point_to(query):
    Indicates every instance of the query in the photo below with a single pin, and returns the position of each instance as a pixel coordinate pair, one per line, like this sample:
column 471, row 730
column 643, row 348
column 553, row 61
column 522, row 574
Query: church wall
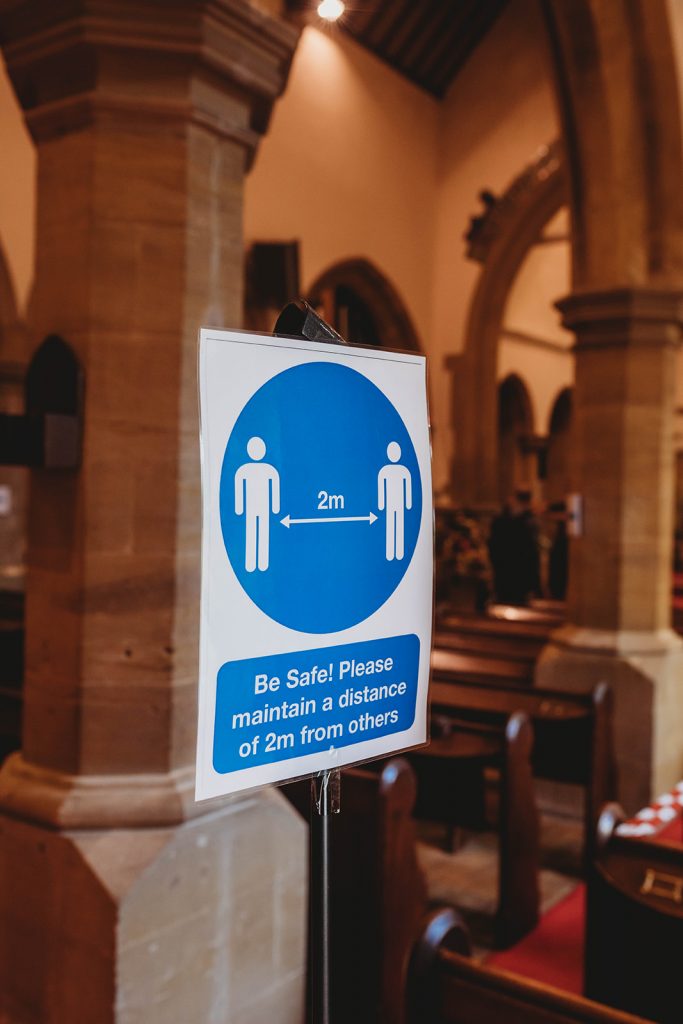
column 363, row 191
column 17, row 194
column 17, row 225
column 545, row 374
column 533, row 344
column 349, row 169
column 497, row 115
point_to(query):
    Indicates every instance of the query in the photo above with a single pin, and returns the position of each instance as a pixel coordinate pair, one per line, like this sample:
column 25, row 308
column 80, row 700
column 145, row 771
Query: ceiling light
column 330, row 10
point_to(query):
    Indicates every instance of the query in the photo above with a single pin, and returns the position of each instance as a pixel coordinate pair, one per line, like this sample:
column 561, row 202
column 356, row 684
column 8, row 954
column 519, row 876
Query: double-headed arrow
column 288, row 521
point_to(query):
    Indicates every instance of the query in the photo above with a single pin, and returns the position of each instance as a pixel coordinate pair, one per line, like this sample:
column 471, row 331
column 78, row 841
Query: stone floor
column 467, row 878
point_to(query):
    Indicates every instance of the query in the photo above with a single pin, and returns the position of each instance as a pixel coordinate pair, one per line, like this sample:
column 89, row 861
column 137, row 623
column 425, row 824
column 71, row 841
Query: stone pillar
column 121, row 900
column 620, row 568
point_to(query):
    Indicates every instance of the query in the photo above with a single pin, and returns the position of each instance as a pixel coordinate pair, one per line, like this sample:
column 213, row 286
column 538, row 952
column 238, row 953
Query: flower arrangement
column 461, row 554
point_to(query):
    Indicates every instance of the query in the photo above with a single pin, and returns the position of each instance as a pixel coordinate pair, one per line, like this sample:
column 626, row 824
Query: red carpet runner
column 553, row 951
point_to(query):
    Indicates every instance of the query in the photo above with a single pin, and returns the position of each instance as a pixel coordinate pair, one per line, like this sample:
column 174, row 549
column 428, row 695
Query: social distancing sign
column 317, row 558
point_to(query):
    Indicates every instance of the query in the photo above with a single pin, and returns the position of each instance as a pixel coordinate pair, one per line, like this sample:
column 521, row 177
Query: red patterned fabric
column 663, row 819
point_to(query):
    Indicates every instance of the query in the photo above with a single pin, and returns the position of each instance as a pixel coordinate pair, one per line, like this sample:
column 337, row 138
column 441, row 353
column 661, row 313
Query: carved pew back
column 378, row 895
column 572, row 733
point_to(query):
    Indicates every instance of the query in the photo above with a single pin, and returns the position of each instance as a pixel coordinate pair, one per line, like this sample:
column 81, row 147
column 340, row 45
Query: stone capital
column 623, row 317
column 77, row 62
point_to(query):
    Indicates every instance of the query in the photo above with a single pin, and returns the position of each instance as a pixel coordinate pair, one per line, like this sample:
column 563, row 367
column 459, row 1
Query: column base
column 204, row 921
column 645, row 671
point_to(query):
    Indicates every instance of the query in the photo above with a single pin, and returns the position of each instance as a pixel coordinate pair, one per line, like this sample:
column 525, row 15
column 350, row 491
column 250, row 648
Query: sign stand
column 325, row 791
column 298, row 319
column 316, row 536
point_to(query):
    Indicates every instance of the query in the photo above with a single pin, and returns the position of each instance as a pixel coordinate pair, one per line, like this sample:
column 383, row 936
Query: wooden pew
column 391, row 962
column 572, row 732
column 634, row 926
column 538, row 612
column 378, row 894
column 448, row 988
column 451, row 789
column 485, row 647
column 488, row 634
column 511, row 616
column 492, row 647
column 475, row 668
column 11, row 670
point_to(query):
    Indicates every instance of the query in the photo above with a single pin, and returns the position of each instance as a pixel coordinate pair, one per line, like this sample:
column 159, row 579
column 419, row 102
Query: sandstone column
column 121, row 900
column 617, row 76
column 620, row 575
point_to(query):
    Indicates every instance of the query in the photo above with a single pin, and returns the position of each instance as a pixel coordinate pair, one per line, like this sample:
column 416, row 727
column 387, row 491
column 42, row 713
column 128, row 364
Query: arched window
column 362, row 304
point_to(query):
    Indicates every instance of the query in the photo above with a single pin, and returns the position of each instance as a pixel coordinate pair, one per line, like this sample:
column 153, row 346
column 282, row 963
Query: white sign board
column 317, row 558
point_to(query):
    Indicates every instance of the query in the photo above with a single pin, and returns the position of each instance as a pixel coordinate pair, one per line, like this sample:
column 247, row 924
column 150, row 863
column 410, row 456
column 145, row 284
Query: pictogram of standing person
column 257, row 494
column 395, row 494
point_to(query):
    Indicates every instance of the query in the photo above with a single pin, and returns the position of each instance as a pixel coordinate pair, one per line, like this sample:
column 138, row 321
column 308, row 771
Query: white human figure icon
column 395, row 494
column 257, row 494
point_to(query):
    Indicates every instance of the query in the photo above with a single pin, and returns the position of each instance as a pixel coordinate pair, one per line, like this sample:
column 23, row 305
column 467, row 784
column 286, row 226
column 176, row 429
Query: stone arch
column 559, row 451
column 515, row 426
column 615, row 66
column 394, row 326
column 500, row 240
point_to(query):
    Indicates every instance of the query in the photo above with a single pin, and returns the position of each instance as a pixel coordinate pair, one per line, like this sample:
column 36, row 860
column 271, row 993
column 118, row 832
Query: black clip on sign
column 299, row 320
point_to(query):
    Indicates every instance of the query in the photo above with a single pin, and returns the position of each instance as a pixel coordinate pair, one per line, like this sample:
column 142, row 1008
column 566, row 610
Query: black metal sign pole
column 299, row 320
column 324, row 803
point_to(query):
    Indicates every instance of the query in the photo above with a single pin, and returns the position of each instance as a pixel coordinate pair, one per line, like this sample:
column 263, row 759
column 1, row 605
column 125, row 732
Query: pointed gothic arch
column 381, row 315
column 500, row 241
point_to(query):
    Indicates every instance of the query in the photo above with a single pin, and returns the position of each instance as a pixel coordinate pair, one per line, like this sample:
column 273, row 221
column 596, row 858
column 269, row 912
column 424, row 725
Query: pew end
column 451, row 790
column 447, row 987
column 443, row 929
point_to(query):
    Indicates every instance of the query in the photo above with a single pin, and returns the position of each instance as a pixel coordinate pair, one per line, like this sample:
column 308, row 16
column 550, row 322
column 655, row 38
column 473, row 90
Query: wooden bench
column 512, row 618
column 634, row 933
column 493, row 633
column 451, row 789
column 485, row 647
column 572, row 732
column 393, row 963
column 378, row 895
column 537, row 613
column 490, row 648
column 478, row 668
column 11, row 670
column 448, row 988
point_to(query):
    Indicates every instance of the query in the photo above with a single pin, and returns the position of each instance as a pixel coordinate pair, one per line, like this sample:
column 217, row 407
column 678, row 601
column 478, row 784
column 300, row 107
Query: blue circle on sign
column 320, row 498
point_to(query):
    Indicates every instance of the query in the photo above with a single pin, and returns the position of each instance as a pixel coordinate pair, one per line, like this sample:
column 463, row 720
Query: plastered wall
column 533, row 344
column 349, row 169
column 17, row 193
column 359, row 162
column 498, row 113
